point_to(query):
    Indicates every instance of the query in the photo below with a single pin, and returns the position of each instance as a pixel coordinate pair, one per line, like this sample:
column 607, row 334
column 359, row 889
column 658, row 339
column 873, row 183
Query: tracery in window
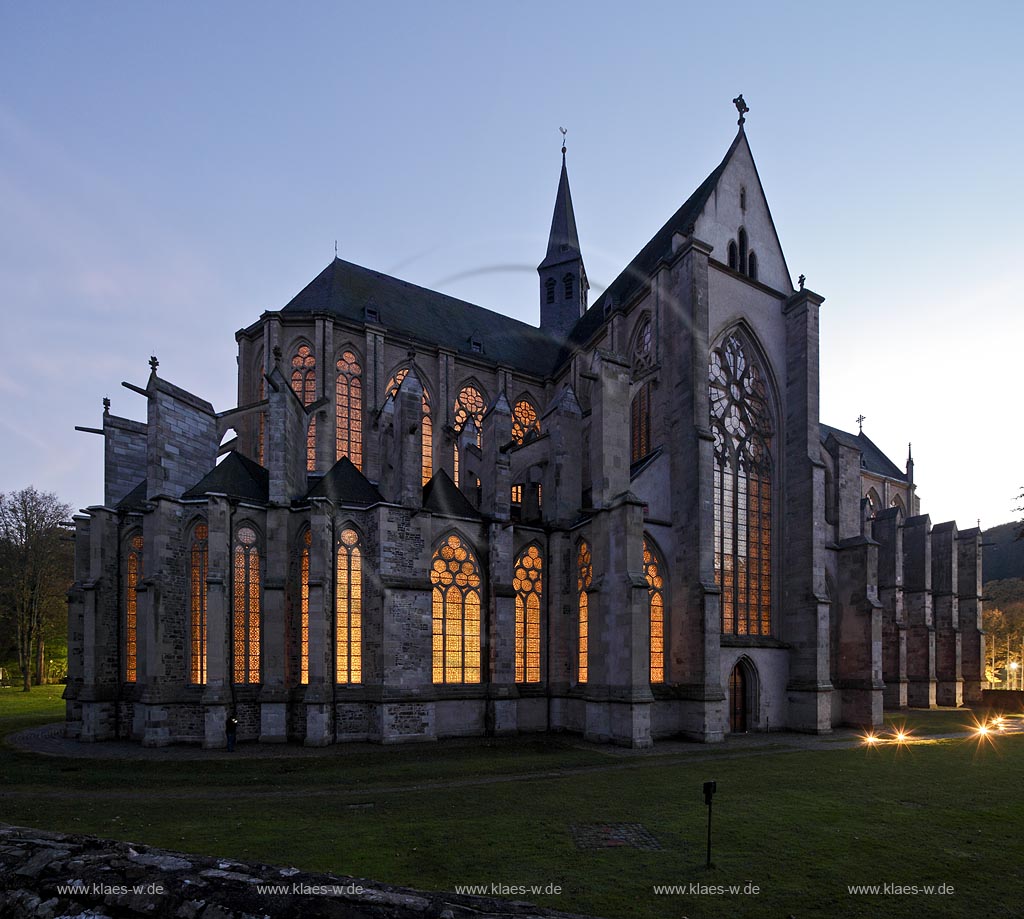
column 246, row 620
column 643, row 348
column 584, row 577
column 653, row 572
column 199, row 563
column 131, row 608
column 456, row 606
column 528, row 583
column 426, row 429
column 524, row 421
column 469, row 404
column 349, row 410
column 304, row 386
column 307, row 541
column 742, row 430
column 350, row 608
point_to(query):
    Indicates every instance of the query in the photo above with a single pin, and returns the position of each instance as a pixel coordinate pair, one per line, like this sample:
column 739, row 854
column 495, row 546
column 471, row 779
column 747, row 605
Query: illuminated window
column 640, row 424
column 199, row 564
column 246, row 631
column 304, row 385
column 349, row 410
column 517, row 494
column 426, row 430
column 524, row 421
column 584, row 576
column 468, row 405
column 653, row 571
column 350, row 609
column 307, row 541
column 742, row 430
column 131, row 607
column 528, row 584
column 456, row 636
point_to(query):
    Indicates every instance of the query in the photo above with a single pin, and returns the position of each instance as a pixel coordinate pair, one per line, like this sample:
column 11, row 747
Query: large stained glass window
column 349, row 409
column 456, row 636
column 304, row 385
column 131, row 608
column 246, row 621
column 426, row 429
column 307, row 541
column 199, row 563
column 525, row 422
column 350, row 609
column 640, row 423
column 584, row 576
column 468, row 405
column 654, row 573
column 742, row 429
column 528, row 583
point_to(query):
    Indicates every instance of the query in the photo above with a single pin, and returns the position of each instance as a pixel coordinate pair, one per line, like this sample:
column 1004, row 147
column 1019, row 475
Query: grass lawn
column 802, row 826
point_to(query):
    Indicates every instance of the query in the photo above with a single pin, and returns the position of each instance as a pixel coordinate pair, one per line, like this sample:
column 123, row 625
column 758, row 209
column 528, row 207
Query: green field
column 799, row 825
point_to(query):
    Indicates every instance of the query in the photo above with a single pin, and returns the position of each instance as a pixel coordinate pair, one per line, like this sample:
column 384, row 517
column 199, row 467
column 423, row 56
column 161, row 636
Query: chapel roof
column 874, row 459
column 442, row 497
column 345, row 484
column 236, row 476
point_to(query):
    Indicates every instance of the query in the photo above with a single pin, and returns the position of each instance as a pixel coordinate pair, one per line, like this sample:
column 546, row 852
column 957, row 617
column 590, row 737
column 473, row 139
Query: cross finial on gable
column 741, row 107
column 860, row 424
column 106, row 405
column 153, row 363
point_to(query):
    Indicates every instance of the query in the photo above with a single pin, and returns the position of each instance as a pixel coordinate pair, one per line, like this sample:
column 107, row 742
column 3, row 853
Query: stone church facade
column 426, row 519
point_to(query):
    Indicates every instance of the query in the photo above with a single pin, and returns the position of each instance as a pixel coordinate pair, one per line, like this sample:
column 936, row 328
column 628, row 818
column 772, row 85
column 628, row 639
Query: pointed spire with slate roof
column 563, row 279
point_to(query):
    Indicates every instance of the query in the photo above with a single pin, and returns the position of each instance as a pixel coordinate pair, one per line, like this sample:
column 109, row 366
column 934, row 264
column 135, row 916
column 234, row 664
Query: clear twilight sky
column 170, row 171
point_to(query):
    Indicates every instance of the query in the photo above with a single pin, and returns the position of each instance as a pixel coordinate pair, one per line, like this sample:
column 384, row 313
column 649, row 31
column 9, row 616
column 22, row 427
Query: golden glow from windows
column 640, row 424
column 456, row 607
column 742, row 431
column 350, row 609
column 304, row 385
column 349, row 410
column 246, row 623
column 528, row 584
column 656, row 605
column 307, row 540
column 468, row 405
column 524, row 421
column 198, row 568
column 584, row 577
column 426, row 429
column 131, row 604
column 517, row 494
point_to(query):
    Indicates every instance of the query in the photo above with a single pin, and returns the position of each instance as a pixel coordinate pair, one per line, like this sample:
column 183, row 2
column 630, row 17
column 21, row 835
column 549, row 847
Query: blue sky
column 169, row 171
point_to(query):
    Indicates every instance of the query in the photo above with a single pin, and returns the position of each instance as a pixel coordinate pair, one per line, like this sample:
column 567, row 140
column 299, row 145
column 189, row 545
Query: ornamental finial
column 106, row 405
column 564, row 132
column 741, row 107
column 153, row 363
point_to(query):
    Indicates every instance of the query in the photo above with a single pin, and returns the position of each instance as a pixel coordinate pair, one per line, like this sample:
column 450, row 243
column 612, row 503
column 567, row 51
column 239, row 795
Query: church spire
column 563, row 279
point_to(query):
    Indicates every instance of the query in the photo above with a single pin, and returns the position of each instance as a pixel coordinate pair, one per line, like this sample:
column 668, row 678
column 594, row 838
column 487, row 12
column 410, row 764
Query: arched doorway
column 740, row 694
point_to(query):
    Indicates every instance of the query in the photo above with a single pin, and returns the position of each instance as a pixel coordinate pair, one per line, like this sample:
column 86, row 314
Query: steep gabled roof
column 440, row 496
column 637, row 274
column 346, row 290
column 236, row 476
column 874, row 459
column 344, row 484
column 563, row 240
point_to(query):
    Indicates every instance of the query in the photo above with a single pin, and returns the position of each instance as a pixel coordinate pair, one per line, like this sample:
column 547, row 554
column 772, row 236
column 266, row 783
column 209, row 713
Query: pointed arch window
column 349, row 409
column 528, row 583
column 743, row 251
column 549, row 290
column 567, row 282
column 640, row 423
column 455, row 575
column 469, row 404
column 525, row 422
column 743, row 485
column 304, row 386
column 426, row 428
column 307, row 542
column 752, row 266
column 349, row 615
column 133, row 565
column 246, row 613
column 584, row 578
column 654, row 573
column 734, row 257
column 199, row 564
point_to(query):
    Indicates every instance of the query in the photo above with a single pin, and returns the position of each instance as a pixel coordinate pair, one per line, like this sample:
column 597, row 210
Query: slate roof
column 563, row 240
column 345, row 290
column 442, row 497
column 344, row 484
column 134, row 499
column 874, row 459
column 236, row 476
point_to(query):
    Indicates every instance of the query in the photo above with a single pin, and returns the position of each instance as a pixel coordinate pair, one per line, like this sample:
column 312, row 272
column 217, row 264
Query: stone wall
column 46, row 875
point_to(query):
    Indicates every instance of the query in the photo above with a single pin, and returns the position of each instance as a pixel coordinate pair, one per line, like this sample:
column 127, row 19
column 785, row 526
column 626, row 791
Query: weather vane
column 564, row 132
column 741, row 107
